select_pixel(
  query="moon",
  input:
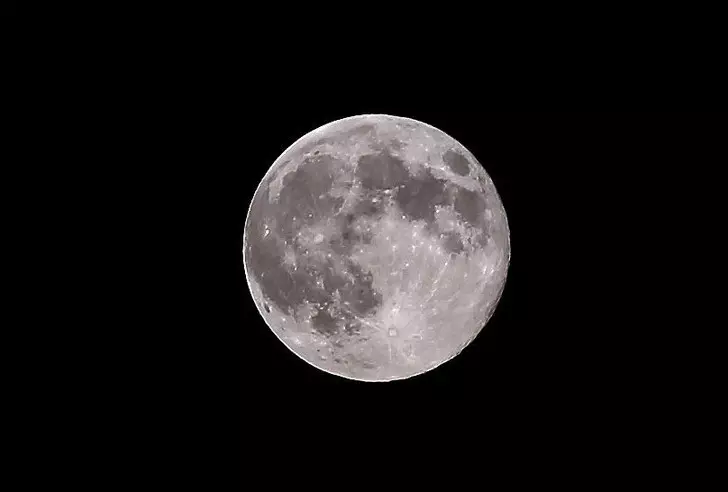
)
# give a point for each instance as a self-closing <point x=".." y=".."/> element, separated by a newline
<point x="376" y="247"/>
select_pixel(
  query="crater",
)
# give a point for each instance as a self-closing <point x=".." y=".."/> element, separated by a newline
<point x="456" y="162"/>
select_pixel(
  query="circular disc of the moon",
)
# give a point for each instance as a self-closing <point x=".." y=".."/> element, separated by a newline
<point x="376" y="247"/>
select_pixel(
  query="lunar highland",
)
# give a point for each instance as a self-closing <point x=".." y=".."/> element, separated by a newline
<point x="376" y="247"/>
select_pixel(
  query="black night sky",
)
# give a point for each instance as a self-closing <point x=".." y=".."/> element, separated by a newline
<point x="144" y="132"/>
<point x="572" y="353"/>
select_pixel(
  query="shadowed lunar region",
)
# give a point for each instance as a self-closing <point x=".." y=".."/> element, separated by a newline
<point x="376" y="247"/>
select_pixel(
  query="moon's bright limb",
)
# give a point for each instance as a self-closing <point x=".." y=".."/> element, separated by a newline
<point x="376" y="247"/>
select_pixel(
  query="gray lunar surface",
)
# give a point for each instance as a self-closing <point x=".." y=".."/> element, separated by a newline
<point x="376" y="247"/>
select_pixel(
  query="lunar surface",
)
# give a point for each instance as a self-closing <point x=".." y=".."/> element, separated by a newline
<point x="376" y="247"/>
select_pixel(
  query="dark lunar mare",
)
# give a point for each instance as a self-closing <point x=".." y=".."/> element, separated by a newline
<point x="471" y="206"/>
<point x="456" y="162"/>
<point x="381" y="171"/>
<point x="418" y="197"/>
<point x="304" y="197"/>
<point x="304" y="200"/>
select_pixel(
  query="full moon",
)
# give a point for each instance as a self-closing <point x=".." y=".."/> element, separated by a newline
<point x="376" y="247"/>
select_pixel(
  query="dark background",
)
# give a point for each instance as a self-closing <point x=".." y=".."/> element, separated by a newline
<point x="158" y="129"/>
<point x="578" y="351"/>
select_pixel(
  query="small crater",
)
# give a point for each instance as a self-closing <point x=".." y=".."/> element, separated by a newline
<point x="266" y="307"/>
